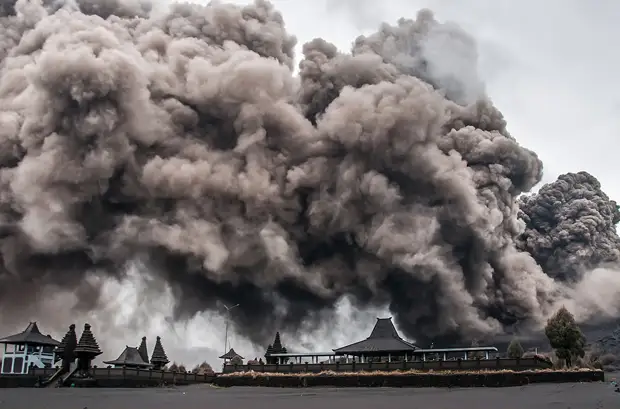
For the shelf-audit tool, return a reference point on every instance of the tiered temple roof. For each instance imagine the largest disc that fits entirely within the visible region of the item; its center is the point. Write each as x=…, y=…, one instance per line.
x=144, y=354
x=130, y=357
x=276, y=348
x=31, y=335
x=88, y=343
x=231, y=354
x=277, y=345
x=159, y=356
x=383, y=338
x=68, y=342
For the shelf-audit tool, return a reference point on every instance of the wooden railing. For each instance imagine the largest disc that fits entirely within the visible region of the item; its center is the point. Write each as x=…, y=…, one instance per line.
x=466, y=365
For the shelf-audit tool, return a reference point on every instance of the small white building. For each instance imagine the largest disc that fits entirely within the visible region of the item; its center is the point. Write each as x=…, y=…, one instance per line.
x=29, y=347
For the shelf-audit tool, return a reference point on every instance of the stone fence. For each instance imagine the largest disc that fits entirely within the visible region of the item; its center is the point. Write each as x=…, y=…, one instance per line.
x=522, y=364
x=112, y=377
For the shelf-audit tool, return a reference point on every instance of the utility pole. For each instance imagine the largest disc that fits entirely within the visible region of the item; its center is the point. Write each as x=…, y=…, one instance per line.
x=227, y=322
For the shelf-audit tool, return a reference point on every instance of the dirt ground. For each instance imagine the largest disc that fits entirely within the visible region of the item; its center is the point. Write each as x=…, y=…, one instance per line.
x=557, y=396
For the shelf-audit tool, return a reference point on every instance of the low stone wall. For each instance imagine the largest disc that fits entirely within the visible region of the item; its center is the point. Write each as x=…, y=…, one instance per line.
x=111, y=378
x=497, y=364
x=421, y=380
x=18, y=381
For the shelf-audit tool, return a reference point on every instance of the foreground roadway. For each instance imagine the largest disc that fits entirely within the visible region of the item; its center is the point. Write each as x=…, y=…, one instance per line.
x=557, y=396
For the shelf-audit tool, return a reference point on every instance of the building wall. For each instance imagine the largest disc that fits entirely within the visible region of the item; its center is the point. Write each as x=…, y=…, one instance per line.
x=465, y=365
x=16, y=359
x=120, y=376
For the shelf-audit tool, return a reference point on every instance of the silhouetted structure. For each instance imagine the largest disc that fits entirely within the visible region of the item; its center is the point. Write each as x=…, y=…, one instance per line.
x=276, y=348
x=144, y=354
x=130, y=358
x=85, y=351
x=66, y=349
x=383, y=342
x=230, y=355
x=159, y=359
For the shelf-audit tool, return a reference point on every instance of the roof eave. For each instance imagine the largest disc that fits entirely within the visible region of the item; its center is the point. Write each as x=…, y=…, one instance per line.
x=53, y=343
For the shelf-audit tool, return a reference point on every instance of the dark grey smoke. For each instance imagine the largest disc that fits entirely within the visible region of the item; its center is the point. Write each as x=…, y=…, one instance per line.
x=570, y=226
x=184, y=141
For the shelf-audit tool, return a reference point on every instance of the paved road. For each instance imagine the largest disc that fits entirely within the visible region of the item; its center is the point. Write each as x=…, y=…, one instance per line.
x=557, y=396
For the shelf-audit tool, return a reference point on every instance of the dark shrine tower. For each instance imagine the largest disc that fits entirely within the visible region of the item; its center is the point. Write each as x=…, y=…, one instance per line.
x=159, y=359
x=66, y=349
x=86, y=350
x=143, y=351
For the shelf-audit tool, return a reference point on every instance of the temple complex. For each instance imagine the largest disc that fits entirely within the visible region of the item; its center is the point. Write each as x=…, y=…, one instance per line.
x=130, y=358
x=384, y=344
x=159, y=359
x=274, y=349
x=28, y=348
x=230, y=355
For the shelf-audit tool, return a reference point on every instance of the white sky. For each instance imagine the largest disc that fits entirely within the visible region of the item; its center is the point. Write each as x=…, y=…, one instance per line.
x=550, y=66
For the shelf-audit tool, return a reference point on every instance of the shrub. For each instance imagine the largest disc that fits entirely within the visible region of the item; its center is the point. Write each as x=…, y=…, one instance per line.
x=253, y=374
x=515, y=350
x=203, y=368
x=475, y=354
x=608, y=359
x=237, y=360
x=174, y=367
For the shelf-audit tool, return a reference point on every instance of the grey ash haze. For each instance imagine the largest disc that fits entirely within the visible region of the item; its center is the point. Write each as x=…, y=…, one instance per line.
x=182, y=139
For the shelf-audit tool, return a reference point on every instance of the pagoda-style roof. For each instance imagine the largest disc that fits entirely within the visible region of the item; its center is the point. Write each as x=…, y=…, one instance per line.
x=69, y=341
x=159, y=355
x=32, y=336
x=144, y=354
x=130, y=357
x=88, y=343
x=383, y=338
x=277, y=347
x=231, y=354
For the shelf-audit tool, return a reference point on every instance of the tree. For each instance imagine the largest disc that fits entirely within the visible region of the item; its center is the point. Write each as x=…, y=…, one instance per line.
x=203, y=368
x=515, y=350
x=475, y=354
x=565, y=336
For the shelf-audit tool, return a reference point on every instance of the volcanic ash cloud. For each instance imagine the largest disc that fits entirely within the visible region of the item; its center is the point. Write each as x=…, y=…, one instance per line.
x=183, y=140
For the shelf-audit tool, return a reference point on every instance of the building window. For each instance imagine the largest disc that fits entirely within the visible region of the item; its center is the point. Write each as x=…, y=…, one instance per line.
x=6, y=365
x=32, y=349
x=21, y=348
x=48, y=349
x=9, y=348
x=18, y=365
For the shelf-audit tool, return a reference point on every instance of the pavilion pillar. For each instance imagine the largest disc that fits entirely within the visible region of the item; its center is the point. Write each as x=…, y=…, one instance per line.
x=486, y=355
x=389, y=357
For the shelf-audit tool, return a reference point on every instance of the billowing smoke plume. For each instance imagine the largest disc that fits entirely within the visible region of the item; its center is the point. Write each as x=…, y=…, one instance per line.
x=571, y=226
x=184, y=140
